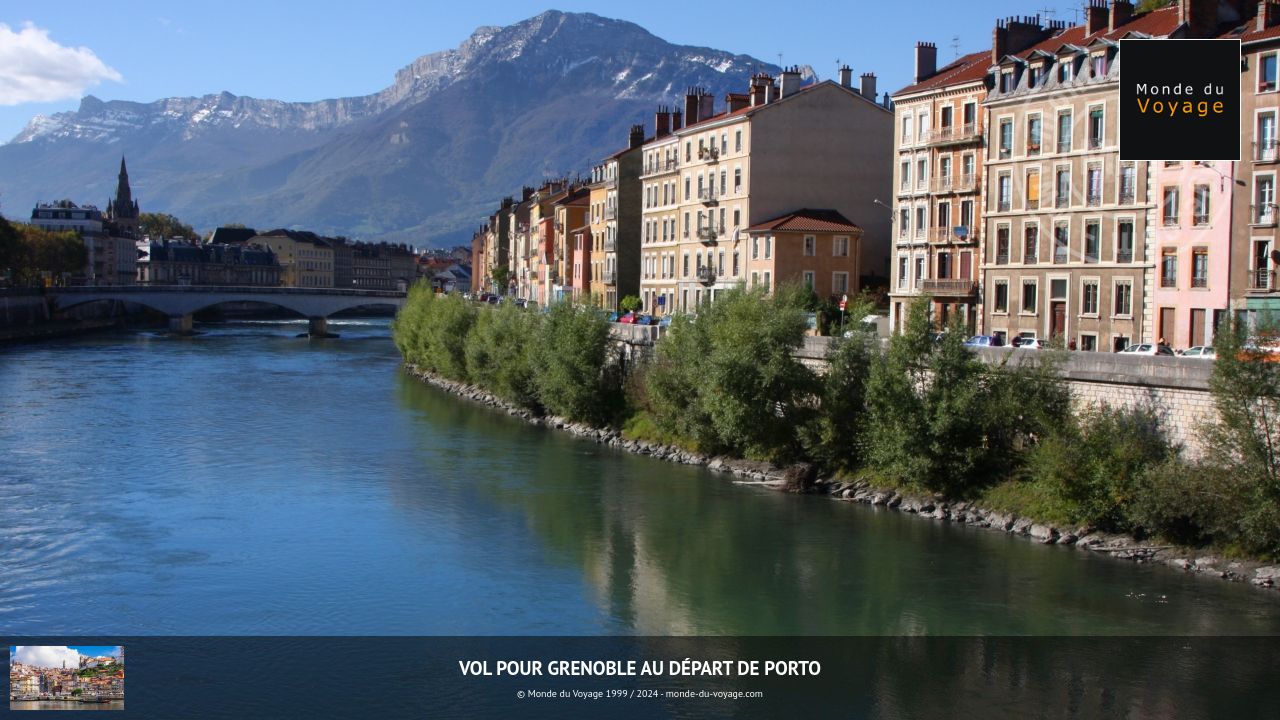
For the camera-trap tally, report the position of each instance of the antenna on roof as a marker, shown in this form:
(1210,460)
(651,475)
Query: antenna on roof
(780,59)
(955,45)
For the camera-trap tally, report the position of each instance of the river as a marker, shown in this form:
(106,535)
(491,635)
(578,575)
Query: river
(249,482)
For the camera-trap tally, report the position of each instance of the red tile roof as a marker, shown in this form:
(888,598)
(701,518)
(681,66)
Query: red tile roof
(807,220)
(966,69)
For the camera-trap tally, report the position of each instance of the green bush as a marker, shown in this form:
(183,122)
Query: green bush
(447,320)
(499,352)
(728,379)
(569,364)
(836,437)
(1097,465)
(410,322)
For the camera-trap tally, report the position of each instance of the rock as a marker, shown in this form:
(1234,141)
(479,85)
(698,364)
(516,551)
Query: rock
(895,500)
(1268,576)
(1020,526)
(1043,534)
(1067,538)
(1180,563)
(879,498)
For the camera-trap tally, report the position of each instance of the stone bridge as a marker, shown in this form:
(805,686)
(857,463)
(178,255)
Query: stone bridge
(180,302)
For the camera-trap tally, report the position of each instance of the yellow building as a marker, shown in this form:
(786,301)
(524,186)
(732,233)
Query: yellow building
(305,259)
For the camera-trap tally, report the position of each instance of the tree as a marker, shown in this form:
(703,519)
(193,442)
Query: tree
(630,303)
(1149,5)
(162,226)
(569,364)
(837,436)
(501,276)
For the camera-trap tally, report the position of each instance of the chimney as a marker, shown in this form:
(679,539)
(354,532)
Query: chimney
(758,83)
(868,88)
(1121,11)
(846,76)
(691,106)
(677,120)
(790,81)
(1095,16)
(1015,34)
(1200,17)
(770,92)
(662,122)
(636,139)
(1268,14)
(526,193)
(735,101)
(706,104)
(926,60)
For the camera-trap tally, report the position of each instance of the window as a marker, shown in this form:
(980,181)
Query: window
(944,266)
(1002,296)
(1062,194)
(1200,268)
(1002,245)
(1006,81)
(1128,183)
(1033,135)
(1033,75)
(1202,205)
(970,116)
(944,217)
(1032,200)
(1096,132)
(1089,297)
(737,141)
(1168,268)
(737,217)
(1124,298)
(808,279)
(944,170)
(1006,138)
(1064,71)
(902,272)
(686,264)
(735,263)
(1267,72)
(839,283)
(1088,342)
(1092,240)
(1124,241)
(919,269)
(686,187)
(1031,244)
(922,221)
(922,173)
(768,247)
(840,246)
(905,182)
(686,224)
(1099,63)
(1265,200)
(906,129)
(904,222)
(1064,132)
(1004,190)
(737,180)
(755,248)
(966,215)
(1170,206)
(1093,185)
(810,245)
(1029,290)
(1061,243)
(766,281)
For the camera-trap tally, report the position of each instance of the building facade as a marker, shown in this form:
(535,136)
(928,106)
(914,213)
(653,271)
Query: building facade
(937,176)
(171,262)
(818,248)
(306,260)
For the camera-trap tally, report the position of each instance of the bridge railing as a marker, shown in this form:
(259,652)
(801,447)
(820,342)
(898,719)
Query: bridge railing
(237,289)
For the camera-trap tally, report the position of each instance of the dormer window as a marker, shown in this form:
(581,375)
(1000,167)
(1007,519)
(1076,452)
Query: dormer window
(1006,81)
(1099,62)
(1033,77)
(1064,70)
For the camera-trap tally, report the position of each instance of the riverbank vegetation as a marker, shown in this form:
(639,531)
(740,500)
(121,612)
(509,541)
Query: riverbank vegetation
(923,415)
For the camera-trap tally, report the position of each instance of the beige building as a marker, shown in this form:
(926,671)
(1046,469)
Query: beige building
(305,259)
(937,179)
(776,149)
(1255,287)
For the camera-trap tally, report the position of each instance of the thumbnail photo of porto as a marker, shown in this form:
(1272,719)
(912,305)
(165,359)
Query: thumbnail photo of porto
(66,678)
(360,350)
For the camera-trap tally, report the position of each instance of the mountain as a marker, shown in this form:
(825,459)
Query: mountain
(421,161)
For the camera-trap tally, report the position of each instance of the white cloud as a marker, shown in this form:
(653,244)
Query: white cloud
(34,68)
(49,656)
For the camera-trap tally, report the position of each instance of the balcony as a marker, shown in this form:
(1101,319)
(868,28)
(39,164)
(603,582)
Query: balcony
(708,196)
(710,154)
(709,233)
(609,277)
(1199,281)
(1032,203)
(661,166)
(948,235)
(610,212)
(1093,200)
(1124,255)
(1095,143)
(1061,201)
(952,288)
(1126,196)
(1064,146)
(1060,256)
(610,244)
(1030,256)
(1265,152)
(953,135)
(706,274)
(1262,214)
(1261,280)
(1002,258)
(1199,219)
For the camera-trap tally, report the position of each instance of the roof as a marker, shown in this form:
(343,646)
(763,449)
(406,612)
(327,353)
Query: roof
(965,69)
(1247,32)
(807,220)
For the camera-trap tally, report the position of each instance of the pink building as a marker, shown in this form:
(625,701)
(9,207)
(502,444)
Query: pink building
(581,267)
(1191,250)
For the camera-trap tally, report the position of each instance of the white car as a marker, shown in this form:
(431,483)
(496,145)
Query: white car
(1147,349)
(1205,352)
(1029,343)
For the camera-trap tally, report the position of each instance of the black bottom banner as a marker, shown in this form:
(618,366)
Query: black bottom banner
(660,677)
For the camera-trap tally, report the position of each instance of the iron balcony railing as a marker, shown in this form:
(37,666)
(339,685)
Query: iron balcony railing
(1126,196)
(708,196)
(953,134)
(1199,281)
(609,277)
(1124,255)
(1030,256)
(950,287)
(1263,214)
(1261,279)
(1265,151)
(1002,258)
(709,233)
(1064,146)
(706,274)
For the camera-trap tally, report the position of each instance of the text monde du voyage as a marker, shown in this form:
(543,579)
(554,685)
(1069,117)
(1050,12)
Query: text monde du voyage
(1179,99)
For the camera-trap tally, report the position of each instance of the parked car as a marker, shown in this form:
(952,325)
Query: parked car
(614,317)
(984,341)
(1205,352)
(664,321)
(494,299)
(521,302)
(1148,349)
(628,319)
(1026,343)
(645,320)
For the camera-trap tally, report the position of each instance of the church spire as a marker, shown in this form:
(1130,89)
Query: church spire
(123,209)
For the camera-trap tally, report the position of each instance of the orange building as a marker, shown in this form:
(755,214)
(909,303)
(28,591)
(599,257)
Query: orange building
(819,248)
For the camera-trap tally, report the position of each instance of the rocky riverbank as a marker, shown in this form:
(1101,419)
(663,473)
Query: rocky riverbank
(801,478)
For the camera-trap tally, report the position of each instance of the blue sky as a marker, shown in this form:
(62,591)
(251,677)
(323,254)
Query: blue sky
(54,655)
(51,54)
